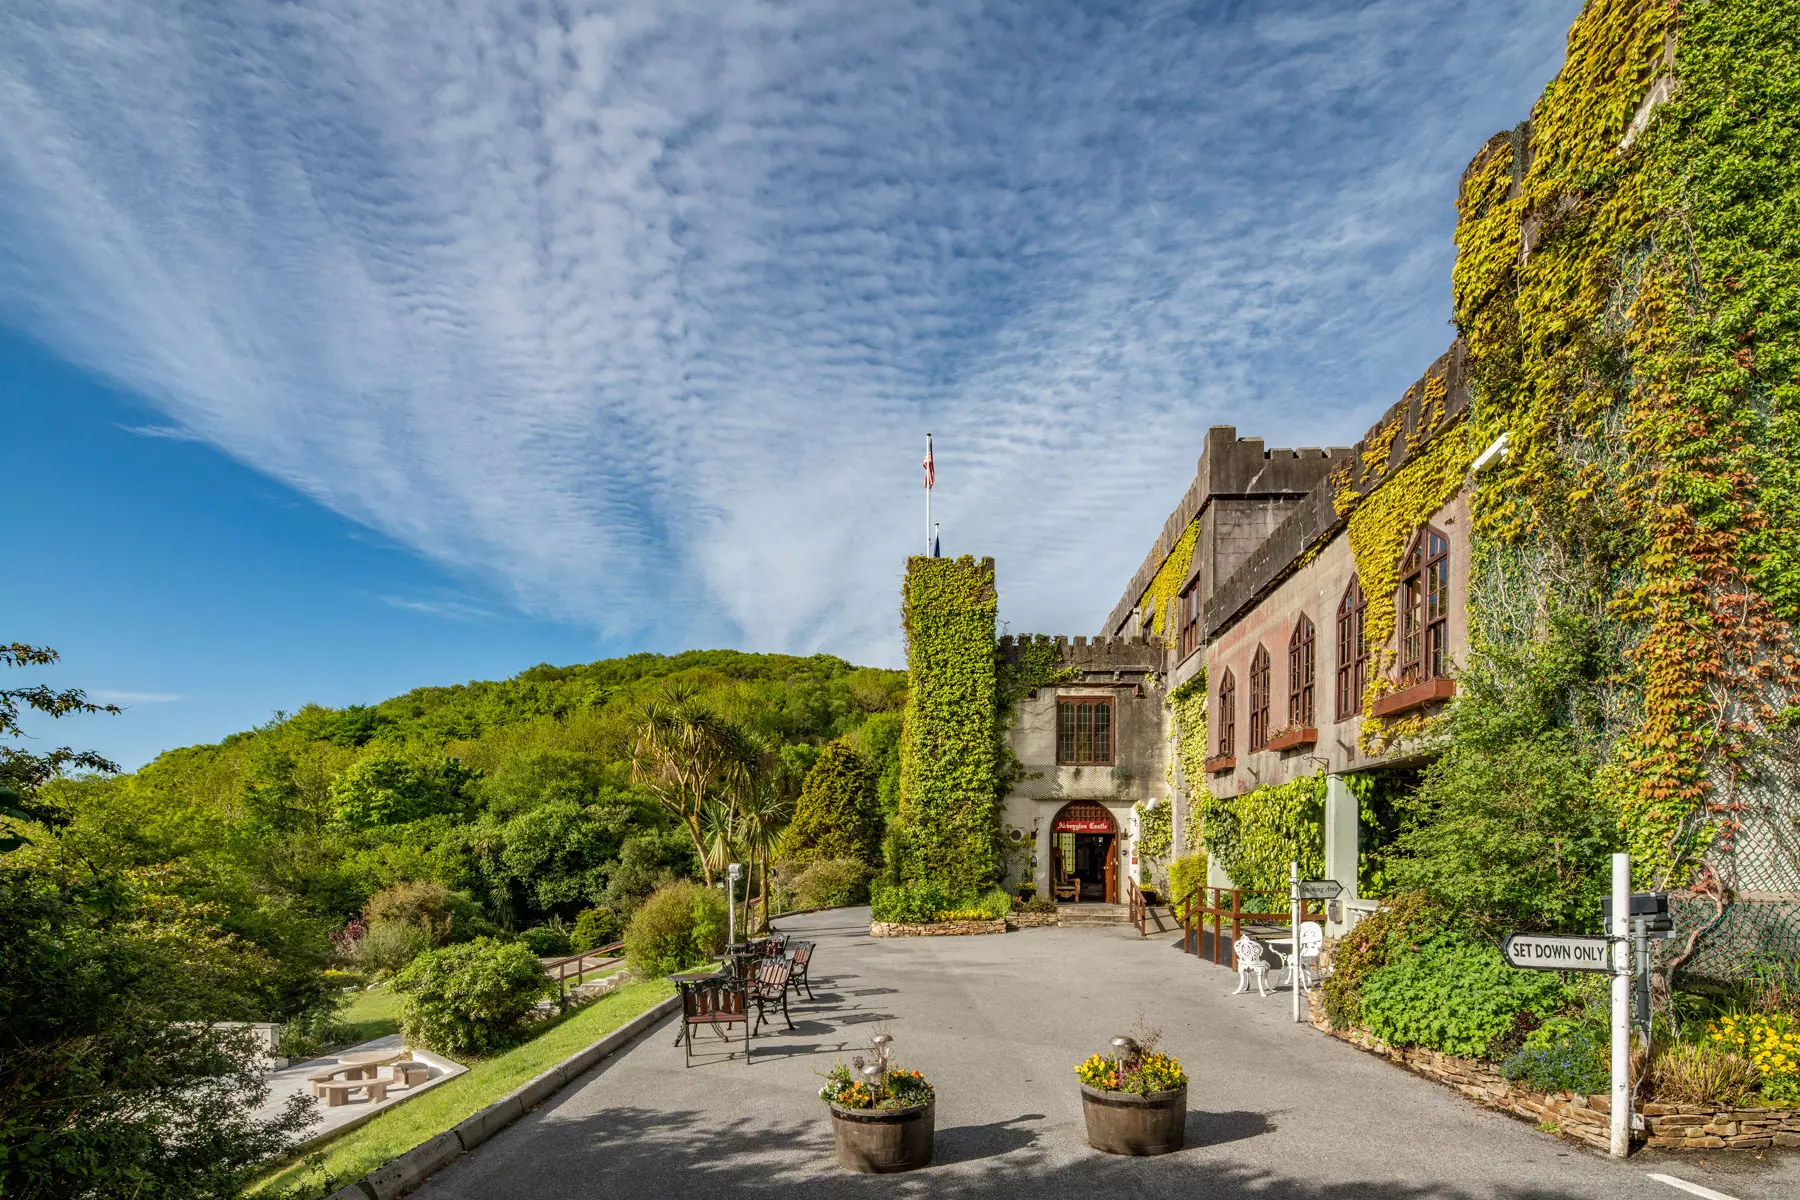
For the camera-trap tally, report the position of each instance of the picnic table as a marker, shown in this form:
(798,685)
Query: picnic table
(358,1072)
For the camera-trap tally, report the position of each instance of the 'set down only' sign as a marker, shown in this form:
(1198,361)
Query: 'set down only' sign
(1555,952)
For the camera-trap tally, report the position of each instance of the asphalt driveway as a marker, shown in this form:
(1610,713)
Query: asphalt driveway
(997,1024)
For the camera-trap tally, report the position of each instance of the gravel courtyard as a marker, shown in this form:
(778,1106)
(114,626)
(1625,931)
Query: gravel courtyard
(998,1024)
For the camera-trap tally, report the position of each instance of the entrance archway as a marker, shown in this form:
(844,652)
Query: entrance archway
(1084,857)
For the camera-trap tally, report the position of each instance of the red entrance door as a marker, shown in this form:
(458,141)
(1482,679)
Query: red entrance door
(1087,859)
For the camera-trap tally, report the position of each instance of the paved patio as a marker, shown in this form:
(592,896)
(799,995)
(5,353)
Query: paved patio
(997,1024)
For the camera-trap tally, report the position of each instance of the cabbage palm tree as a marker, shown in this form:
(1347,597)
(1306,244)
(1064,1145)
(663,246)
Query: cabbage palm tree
(691,756)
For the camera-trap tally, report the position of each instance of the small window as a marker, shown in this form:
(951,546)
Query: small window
(1352,650)
(1084,731)
(1300,674)
(1227,714)
(1259,699)
(1190,620)
(1425,608)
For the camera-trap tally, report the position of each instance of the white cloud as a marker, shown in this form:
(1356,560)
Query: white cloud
(639,311)
(167,433)
(110,696)
(450,609)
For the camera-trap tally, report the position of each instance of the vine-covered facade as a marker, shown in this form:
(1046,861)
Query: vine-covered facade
(1607,457)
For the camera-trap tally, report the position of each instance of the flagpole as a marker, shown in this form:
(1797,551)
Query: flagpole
(928,482)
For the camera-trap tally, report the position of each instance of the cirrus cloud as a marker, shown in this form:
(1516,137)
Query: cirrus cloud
(637,312)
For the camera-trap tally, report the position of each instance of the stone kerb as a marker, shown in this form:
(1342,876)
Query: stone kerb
(1587,1119)
(894,929)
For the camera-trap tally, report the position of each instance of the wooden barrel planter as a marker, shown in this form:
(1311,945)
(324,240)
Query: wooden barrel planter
(1127,1123)
(881,1141)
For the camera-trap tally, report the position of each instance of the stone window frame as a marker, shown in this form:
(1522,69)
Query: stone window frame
(1073,757)
(1188,606)
(1227,714)
(1352,659)
(1423,600)
(1302,674)
(1260,672)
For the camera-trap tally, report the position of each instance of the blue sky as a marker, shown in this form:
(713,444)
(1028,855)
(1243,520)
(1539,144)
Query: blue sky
(351,346)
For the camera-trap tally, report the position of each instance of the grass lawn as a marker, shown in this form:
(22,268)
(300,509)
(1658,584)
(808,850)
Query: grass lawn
(404,1126)
(373,1013)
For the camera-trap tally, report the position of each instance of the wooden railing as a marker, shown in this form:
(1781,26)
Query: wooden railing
(1138,908)
(579,966)
(1194,912)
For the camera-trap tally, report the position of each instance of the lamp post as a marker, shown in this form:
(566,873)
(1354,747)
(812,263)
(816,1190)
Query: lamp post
(733,872)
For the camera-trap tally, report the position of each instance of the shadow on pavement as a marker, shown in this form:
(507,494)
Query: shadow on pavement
(1215,1129)
(644,1153)
(966,1143)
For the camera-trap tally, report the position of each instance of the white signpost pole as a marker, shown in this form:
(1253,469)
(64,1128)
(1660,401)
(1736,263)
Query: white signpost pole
(1294,932)
(1621,1005)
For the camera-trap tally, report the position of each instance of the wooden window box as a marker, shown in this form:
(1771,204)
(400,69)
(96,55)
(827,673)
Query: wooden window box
(1292,736)
(1220,763)
(1416,696)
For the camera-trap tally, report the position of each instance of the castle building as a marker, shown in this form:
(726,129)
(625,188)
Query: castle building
(1252,592)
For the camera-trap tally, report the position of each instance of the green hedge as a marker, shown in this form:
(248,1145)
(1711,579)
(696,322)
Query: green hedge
(949,826)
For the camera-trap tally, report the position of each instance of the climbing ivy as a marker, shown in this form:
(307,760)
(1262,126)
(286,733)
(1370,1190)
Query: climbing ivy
(1628,286)
(1159,598)
(949,825)
(1254,836)
(1381,523)
(1187,730)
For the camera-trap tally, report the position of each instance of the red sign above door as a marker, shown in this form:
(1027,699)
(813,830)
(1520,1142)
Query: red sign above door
(1083,825)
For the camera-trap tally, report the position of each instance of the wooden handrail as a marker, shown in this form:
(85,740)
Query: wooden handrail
(1192,907)
(604,956)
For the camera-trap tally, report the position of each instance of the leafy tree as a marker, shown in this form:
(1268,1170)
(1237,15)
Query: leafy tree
(560,852)
(385,788)
(1509,829)
(692,757)
(113,1078)
(837,815)
(647,861)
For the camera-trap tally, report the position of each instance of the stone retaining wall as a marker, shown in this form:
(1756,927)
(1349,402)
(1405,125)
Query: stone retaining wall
(935,928)
(1030,920)
(1585,1118)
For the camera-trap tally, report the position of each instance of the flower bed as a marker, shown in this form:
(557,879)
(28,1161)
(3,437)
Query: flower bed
(1585,1118)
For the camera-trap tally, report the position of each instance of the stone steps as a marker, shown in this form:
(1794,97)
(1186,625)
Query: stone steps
(1089,916)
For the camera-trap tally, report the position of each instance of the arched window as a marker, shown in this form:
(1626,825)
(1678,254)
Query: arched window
(1424,607)
(1352,650)
(1259,699)
(1227,714)
(1300,673)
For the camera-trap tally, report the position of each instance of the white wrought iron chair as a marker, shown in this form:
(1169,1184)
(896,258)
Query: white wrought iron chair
(1302,968)
(1249,954)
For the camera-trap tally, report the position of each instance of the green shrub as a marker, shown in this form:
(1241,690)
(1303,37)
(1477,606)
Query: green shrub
(387,946)
(1564,1054)
(681,925)
(832,883)
(593,928)
(1186,874)
(1456,995)
(546,941)
(470,998)
(837,815)
(1400,925)
(443,915)
(910,904)
(1702,1073)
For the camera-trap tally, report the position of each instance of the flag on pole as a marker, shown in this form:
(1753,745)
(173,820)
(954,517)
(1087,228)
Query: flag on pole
(930,467)
(937,550)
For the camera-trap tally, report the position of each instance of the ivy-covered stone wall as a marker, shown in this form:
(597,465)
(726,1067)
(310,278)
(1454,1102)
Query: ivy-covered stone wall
(1628,280)
(950,757)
